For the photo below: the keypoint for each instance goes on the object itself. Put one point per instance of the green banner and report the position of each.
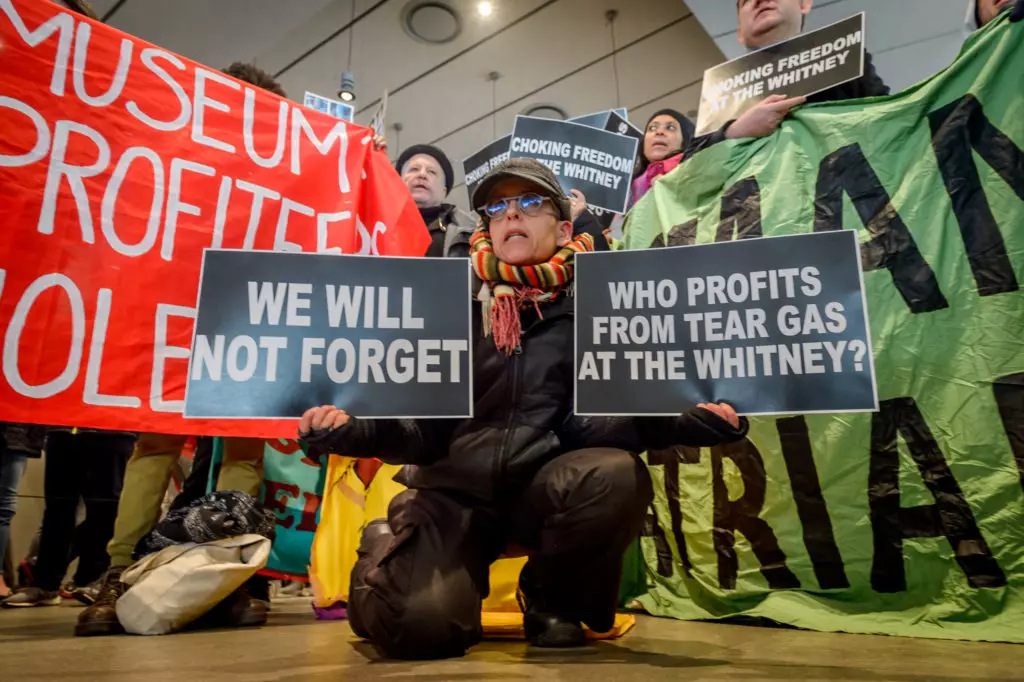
(908, 521)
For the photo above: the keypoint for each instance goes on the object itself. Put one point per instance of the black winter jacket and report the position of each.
(523, 418)
(447, 236)
(868, 85)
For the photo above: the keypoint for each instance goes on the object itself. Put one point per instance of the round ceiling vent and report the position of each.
(546, 111)
(431, 22)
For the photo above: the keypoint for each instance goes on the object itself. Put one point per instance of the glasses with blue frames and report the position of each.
(529, 204)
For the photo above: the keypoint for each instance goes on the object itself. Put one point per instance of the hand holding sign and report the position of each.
(577, 203)
(323, 417)
(764, 119)
(723, 411)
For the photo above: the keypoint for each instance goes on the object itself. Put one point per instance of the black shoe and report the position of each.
(238, 610)
(259, 589)
(550, 631)
(543, 626)
(101, 618)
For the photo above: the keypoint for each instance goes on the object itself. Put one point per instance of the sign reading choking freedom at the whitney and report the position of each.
(279, 333)
(803, 66)
(479, 164)
(771, 326)
(595, 162)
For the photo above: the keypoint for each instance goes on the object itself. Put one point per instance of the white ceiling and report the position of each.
(909, 40)
(546, 51)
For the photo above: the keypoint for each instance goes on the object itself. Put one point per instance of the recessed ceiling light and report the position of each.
(431, 22)
(484, 8)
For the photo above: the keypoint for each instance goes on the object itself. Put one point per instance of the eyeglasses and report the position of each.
(529, 204)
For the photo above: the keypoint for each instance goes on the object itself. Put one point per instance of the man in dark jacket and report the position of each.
(428, 174)
(524, 472)
(766, 22)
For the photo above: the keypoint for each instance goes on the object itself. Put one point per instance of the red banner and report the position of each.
(119, 163)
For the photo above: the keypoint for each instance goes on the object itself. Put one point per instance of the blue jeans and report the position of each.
(12, 466)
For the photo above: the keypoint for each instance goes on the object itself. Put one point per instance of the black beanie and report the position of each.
(685, 125)
(436, 154)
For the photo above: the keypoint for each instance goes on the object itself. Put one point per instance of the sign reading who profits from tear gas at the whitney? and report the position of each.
(278, 333)
(772, 326)
(596, 162)
(803, 66)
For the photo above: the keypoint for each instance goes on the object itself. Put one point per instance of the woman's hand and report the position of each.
(323, 417)
(723, 411)
(577, 203)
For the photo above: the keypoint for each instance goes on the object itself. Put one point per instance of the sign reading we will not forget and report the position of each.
(803, 66)
(279, 333)
(772, 326)
(596, 162)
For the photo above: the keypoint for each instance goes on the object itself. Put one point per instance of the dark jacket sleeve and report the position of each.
(868, 85)
(698, 428)
(704, 141)
(395, 441)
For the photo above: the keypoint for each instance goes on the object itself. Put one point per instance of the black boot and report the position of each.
(237, 610)
(545, 624)
(101, 618)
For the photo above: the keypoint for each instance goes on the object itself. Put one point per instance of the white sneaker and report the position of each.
(32, 596)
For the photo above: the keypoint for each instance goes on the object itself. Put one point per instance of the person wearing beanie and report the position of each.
(667, 134)
(428, 174)
(981, 12)
(524, 471)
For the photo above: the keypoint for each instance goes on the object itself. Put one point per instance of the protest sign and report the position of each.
(906, 521)
(119, 163)
(599, 119)
(379, 122)
(331, 107)
(596, 162)
(803, 66)
(278, 333)
(771, 327)
(479, 164)
(620, 125)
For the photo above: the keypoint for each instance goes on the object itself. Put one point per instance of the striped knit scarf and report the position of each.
(514, 287)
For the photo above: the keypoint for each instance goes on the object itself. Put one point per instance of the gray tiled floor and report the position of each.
(36, 644)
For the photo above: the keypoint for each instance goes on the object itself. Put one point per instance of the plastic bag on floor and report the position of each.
(173, 587)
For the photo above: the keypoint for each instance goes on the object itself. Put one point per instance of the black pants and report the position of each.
(416, 592)
(198, 479)
(88, 466)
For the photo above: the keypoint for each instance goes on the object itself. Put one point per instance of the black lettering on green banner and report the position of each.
(891, 245)
(743, 515)
(684, 234)
(1009, 394)
(957, 129)
(950, 516)
(653, 530)
(741, 212)
(670, 459)
(819, 538)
